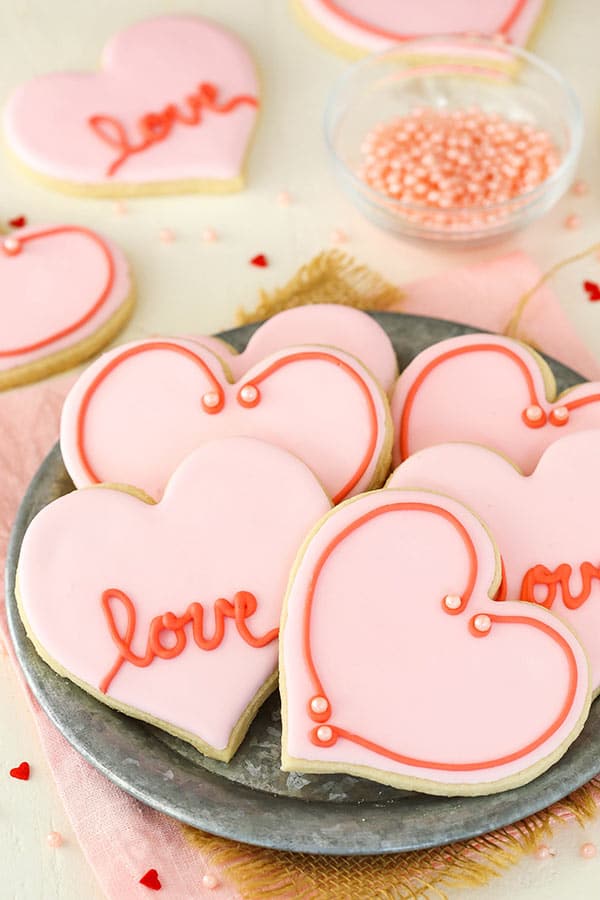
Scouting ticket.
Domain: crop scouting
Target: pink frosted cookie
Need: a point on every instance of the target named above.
(170, 611)
(545, 524)
(397, 665)
(329, 324)
(137, 412)
(171, 110)
(65, 291)
(354, 27)
(488, 390)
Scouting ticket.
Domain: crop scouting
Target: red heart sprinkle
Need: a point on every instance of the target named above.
(21, 772)
(151, 880)
(18, 222)
(259, 260)
(592, 290)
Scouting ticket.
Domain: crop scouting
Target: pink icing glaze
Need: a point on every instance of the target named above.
(322, 323)
(480, 397)
(548, 518)
(400, 671)
(51, 284)
(148, 414)
(231, 519)
(145, 68)
(381, 23)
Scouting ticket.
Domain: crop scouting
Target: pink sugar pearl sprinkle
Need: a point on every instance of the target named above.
(54, 839)
(440, 161)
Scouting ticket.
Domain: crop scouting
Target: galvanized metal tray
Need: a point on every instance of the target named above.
(250, 799)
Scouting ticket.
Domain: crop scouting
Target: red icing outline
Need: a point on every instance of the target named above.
(318, 689)
(333, 7)
(156, 126)
(256, 380)
(559, 577)
(98, 303)
(485, 348)
(243, 606)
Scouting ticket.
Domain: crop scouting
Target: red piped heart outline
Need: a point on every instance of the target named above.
(257, 378)
(92, 310)
(338, 731)
(546, 418)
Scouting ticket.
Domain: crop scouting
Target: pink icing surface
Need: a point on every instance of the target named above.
(401, 672)
(480, 397)
(361, 24)
(51, 284)
(145, 68)
(322, 323)
(547, 518)
(147, 415)
(231, 519)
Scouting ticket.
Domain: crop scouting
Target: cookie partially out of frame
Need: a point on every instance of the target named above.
(66, 292)
(354, 27)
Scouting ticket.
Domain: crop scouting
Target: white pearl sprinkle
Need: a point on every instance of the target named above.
(324, 734)
(534, 413)
(319, 705)
(210, 399)
(561, 413)
(452, 601)
(482, 623)
(249, 393)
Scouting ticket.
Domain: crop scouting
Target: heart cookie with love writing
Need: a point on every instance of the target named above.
(328, 324)
(545, 524)
(137, 412)
(172, 109)
(396, 664)
(65, 291)
(353, 27)
(488, 390)
(170, 612)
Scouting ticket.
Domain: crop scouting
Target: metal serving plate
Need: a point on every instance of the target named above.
(250, 799)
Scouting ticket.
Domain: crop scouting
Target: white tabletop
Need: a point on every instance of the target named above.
(192, 286)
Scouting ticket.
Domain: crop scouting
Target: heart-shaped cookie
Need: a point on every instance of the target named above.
(171, 110)
(170, 611)
(489, 390)
(396, 665)
(544, 524)
(137, 412)
(354, 27)
(64, 293)
(329, 324)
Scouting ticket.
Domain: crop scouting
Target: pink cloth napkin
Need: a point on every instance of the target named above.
(121, 838)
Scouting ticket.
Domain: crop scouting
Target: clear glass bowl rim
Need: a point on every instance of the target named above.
(574, 122)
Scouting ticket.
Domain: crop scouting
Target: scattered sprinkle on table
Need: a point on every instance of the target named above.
(259, 260)
(210, 882)
(209, 236)
(167, 235)
(54, 839)
(21, 772)
(151, 880)
(588, 850)
(18, 222)
(572, 222)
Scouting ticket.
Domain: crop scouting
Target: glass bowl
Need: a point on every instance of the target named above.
(452, 73)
